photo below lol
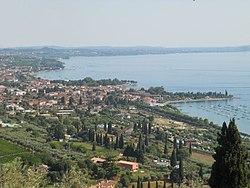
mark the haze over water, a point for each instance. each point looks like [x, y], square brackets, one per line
[198, 72]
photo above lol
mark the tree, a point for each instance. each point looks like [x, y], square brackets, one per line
[94, 146]
[16, 174]
[139, 182]
[63, 100]
[109, 128]
[121, 142]
[149, 184]
[59, 131]
[149, 128]
[174, 176]
[230, 166]
[146, 140]
[173, 159]
[90, 135]
[125, 180]
[139, 145]
[200, 172]
[129, 151]
[80, 100]
[166, 150]
[77, 125]
[156, 184]
[190, 149]
[180, 144]
[71, 101]
[105, 127]
[73, 178]
[111, 169]
[181, 171]
[164, 184]
[139, 156]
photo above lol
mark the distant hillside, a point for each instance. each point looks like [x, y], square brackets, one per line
[65, 52]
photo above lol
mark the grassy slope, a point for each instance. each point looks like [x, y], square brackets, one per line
[9, 152]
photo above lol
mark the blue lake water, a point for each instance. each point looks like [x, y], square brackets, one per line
[177, 72]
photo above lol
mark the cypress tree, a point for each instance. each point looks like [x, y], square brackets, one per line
[173, 159]
[138, 182]
[166, 150]
[145, 128]
[190, 149]
[80, 100]
[109, 128]
[139, 145]
[149, 128]
[71, 101]
[105, 127]
[149, 184]
[139, 156]
[141, 184]
[200, 172]
[63, 100]
[181, 171]
[97, 138]
[164, 184]
[156, 184]
[230, 167]
[143, 148]
[89, 133]
[93, 136]
[121, 142]
[180, 144]
[94, 146]
[146, 140]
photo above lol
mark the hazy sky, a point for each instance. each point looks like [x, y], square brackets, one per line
[168, 23]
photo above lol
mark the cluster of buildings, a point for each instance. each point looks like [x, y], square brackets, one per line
[45, 94]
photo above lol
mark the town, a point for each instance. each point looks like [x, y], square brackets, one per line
[113, 134]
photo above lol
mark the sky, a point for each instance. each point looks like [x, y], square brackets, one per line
[166, 23]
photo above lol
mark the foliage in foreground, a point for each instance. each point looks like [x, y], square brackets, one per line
[230, 166]
[15, 174]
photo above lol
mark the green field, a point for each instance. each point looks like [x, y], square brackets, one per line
[9, 152]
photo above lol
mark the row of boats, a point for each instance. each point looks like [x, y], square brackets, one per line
[238, 112]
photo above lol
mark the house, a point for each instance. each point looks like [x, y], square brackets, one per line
[98, 160]
[149, 101]
[127, 165]
[188, 142]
